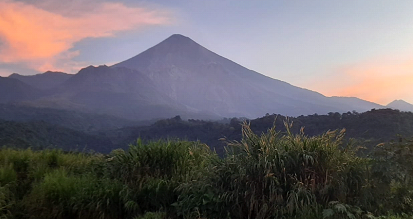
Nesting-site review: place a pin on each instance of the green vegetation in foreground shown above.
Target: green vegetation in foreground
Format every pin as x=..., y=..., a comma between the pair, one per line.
x=272, y=175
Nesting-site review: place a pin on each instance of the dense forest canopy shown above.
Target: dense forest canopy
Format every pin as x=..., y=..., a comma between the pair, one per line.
x=368, y=128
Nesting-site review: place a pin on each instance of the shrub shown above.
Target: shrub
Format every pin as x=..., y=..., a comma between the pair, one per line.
x=390, y=181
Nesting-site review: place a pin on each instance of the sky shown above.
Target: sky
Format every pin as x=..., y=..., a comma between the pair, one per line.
x=338, y=48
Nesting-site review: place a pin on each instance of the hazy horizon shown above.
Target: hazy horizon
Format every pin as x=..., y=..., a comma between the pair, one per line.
x=351, y=48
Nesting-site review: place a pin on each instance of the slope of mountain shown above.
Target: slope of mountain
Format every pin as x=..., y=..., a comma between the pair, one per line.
x=175, y=77
x=200, y=79
x=400, y=105
x=119, y=91
x=38, y=135
x=357, y=104
x=69, y=119
x=13, y=90
x=43, y=81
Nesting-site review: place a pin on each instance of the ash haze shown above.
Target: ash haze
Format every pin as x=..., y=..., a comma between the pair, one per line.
x=338, y=48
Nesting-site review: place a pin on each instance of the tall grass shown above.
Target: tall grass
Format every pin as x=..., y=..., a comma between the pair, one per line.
x=24, y=173
x=64, y=195
x=270, y=175
x=153, y=171
x=123, y=184
x=276, y=176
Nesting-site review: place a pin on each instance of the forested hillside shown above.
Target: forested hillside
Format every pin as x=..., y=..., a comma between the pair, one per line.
x=369, y=128
x=271, y=175
x=80, y=121
x=41, y=135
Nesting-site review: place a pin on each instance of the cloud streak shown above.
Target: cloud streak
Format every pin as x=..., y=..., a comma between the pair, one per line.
x=40, y=39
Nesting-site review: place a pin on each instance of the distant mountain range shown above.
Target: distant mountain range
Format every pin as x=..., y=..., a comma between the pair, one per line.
x=43, y=81
x=401, y=105
x=175, y=77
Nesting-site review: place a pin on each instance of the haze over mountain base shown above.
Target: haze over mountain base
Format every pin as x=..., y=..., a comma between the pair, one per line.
x=175, y=77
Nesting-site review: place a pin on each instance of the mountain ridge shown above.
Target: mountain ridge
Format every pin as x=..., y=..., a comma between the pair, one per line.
x=178, y=76
x=14, y=90
x=43, y=81
x=400, y=105
x=171, y=61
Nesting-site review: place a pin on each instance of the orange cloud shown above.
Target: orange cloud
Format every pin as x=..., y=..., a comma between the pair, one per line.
x=378, y=81
x=38, y=37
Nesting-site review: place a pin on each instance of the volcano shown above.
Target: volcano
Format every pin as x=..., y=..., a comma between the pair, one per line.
x=180, y=77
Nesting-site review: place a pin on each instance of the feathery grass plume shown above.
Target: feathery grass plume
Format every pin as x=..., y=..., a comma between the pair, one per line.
x=277, y=175
x=267, y=175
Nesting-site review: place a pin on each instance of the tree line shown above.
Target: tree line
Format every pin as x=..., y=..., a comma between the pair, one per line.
x=274, y=174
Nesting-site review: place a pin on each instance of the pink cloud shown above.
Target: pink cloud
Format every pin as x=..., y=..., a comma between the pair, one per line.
x=41, y=38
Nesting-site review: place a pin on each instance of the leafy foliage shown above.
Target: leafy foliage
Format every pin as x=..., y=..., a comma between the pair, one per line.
x=275, y=174
x=369, y=128
x=40, y=135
